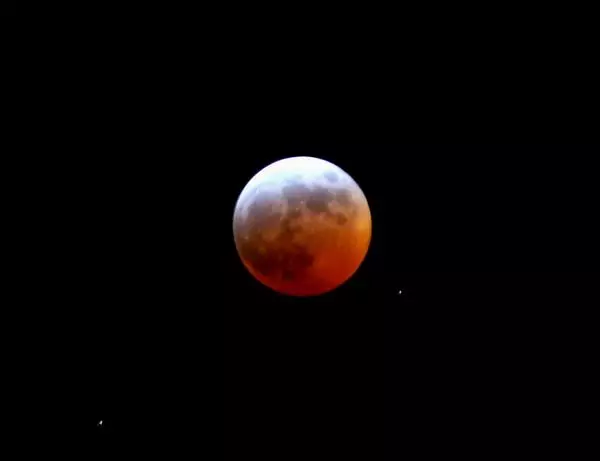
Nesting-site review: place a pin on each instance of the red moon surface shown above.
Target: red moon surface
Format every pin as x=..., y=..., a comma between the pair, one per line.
x=302, y=226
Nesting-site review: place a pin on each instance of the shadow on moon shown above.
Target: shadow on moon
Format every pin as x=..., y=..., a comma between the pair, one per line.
x=296, y=236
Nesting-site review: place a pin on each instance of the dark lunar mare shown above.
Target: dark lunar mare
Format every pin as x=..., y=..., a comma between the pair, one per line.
x=331, y=176
x=281, y=257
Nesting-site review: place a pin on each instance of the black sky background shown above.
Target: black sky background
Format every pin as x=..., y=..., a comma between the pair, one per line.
x=143, y=316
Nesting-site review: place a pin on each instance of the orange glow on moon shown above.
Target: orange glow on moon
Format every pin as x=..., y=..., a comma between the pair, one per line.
x=302, y=226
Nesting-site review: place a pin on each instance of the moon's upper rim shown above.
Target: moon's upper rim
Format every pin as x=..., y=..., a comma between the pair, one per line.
x=302, y=165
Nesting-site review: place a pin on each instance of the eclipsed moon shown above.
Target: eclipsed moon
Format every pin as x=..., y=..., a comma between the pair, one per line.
x=302, y=226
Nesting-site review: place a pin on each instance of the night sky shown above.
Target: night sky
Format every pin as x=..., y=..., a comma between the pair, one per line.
x=468, y=332
x=161, y=333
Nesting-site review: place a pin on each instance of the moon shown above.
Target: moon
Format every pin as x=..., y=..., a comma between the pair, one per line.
x=302, y=226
